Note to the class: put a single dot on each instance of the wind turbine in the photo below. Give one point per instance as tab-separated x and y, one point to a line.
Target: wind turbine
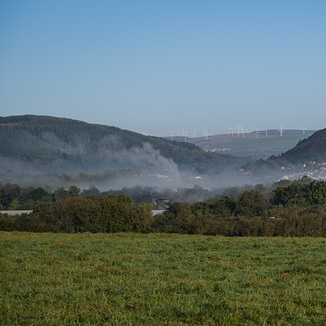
244	131
184	133
257	133
230	131
304	129
239	127
205	134
280	131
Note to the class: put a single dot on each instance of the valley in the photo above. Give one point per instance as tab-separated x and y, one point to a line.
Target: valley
53	152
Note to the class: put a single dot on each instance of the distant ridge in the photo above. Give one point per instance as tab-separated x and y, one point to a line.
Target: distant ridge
307	158
13	131
50	151
258	144
312	148
77	150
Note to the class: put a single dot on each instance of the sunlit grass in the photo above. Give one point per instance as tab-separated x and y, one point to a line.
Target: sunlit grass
158	279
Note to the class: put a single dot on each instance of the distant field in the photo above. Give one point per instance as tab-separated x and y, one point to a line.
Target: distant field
158	279
250	145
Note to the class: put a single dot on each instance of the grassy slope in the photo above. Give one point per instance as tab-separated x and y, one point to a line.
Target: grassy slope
157	279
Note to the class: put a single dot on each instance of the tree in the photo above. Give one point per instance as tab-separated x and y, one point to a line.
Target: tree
14	204
38	194
223	207
73	191
319	193
116	212
61	193
251	203
143	218
92	190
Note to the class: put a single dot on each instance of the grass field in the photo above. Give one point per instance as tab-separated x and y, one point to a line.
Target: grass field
158	279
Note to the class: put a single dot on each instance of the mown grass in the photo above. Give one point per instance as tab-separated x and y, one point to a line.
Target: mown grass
159	279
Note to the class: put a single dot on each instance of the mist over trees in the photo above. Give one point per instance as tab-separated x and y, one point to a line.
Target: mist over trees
144	173
298	209
294	209
43	151
49	151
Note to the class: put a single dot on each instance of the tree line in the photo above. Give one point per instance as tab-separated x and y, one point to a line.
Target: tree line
113	213
291	209
251	214
14	197
297	209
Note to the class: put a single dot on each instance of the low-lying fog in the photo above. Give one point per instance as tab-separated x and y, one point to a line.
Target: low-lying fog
110	165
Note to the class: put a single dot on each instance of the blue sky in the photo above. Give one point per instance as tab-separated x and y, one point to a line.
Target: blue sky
166	66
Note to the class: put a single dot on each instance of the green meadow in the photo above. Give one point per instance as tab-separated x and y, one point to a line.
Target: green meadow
161	279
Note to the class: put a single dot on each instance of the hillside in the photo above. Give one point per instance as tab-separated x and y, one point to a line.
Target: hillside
49	150
308	157
260	144
311	149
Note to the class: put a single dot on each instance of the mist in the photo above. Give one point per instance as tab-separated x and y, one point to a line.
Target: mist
105	164
109	164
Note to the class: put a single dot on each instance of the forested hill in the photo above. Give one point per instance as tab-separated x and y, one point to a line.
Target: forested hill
312	148
65	146
308	157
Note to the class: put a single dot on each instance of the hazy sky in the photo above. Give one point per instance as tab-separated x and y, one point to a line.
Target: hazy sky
161	66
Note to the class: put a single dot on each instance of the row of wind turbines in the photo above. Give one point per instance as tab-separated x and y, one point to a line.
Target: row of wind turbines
185	134
231	131
257	133
281	130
